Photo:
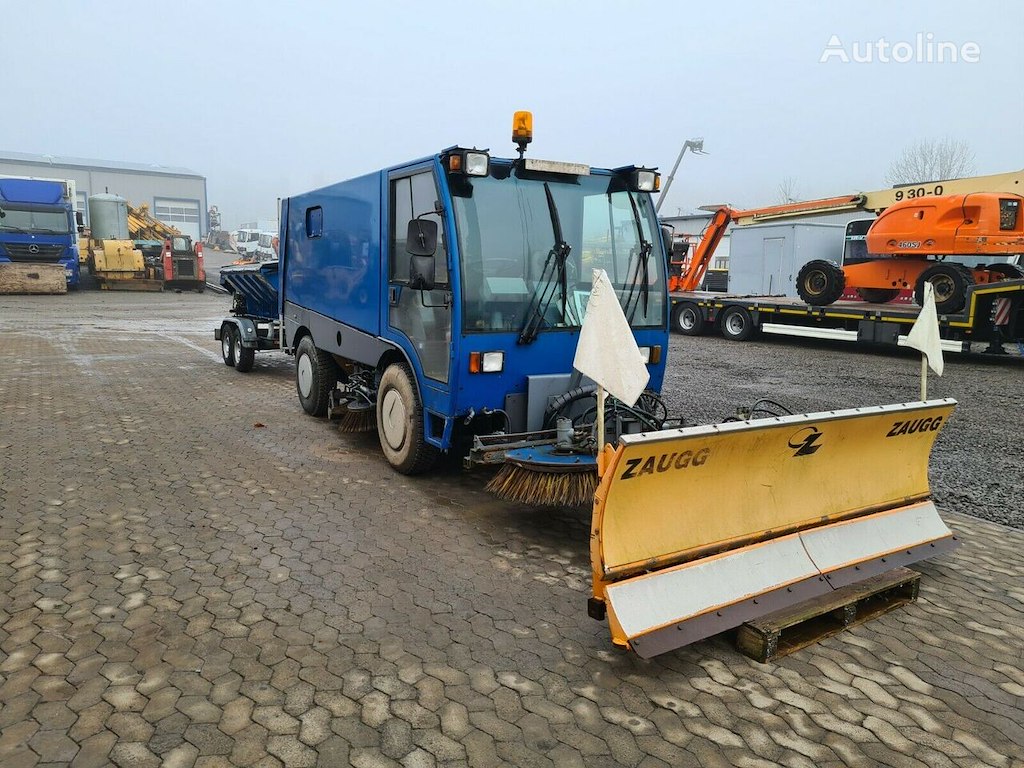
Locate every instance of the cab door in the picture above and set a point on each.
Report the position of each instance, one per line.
(423, 317)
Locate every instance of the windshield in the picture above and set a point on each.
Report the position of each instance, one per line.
(506, 237)
(44, 219)
(181, 245)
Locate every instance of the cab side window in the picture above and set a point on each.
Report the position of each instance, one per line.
(411, 197)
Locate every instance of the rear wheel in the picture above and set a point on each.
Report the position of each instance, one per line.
(878, 295)
(227, 346)
(820, 282)
(400, 422)
(687, 319)
(950, 282)
(1005, 271)
(737, 324)
(316, 374)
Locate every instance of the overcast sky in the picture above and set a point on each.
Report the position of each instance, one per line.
(270, 99)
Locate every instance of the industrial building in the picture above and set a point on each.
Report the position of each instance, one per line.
(176, 196)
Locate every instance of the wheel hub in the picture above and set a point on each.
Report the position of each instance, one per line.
(816, 282)
(393, 419)
(304, 373)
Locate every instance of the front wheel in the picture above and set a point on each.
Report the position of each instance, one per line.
(950, 282)
(400, 422)
(687, 319)
(316, 374)
(737, 324)
(820, 282)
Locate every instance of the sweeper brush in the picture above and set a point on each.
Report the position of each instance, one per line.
(357, 417)
(529, 480)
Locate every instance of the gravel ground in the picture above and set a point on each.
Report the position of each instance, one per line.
(976, 465)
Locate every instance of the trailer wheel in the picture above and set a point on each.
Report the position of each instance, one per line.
(820, 282)
(878, 295)
(316, 373)
(244, 357)
(1005, 271)
(400, 422)
(687, 319)
(227, 346)
(736, 324)
(950, 282)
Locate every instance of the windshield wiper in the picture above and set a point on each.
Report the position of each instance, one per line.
(50, 231)
(12, 228)
(640, 277)
(554, 269)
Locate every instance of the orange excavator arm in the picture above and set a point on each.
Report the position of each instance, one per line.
(697, 265)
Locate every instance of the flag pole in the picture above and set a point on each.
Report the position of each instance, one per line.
(924, 377)
(600, 419)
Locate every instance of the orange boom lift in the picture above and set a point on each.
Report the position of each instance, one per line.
(908, 242)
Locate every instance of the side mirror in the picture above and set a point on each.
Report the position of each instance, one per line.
(422, 272)
(421, 237)
(666, 238)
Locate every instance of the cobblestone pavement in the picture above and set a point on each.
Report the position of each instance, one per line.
(194, 572)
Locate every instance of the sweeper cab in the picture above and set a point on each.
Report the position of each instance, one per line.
(440, 302)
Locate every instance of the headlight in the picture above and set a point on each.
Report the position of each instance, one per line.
(493, 362)
(486, 362)
(651, 355)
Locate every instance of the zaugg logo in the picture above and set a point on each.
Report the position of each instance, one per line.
(805, 441)
(664, 462)
(931, 424)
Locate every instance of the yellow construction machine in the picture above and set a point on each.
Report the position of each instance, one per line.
(114, 250)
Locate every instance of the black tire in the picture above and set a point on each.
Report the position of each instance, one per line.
(227, 346)
(736, 324)
(878, 295)
(950, 281)
(1006, 271)
(820, 282)
(687, 319)
(245, 358)
(400, 422)
(316, 374)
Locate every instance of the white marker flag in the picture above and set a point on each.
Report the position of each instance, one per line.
(607, 351)
(924, 336)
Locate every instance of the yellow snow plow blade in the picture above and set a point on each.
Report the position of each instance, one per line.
(697, 530)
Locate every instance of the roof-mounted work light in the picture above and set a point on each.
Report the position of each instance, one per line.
(468, 162)
(640, 179)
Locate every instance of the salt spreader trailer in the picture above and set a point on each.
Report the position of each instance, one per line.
(440, 303)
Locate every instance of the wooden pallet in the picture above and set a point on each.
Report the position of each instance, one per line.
(17, 277)
(778, 634)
